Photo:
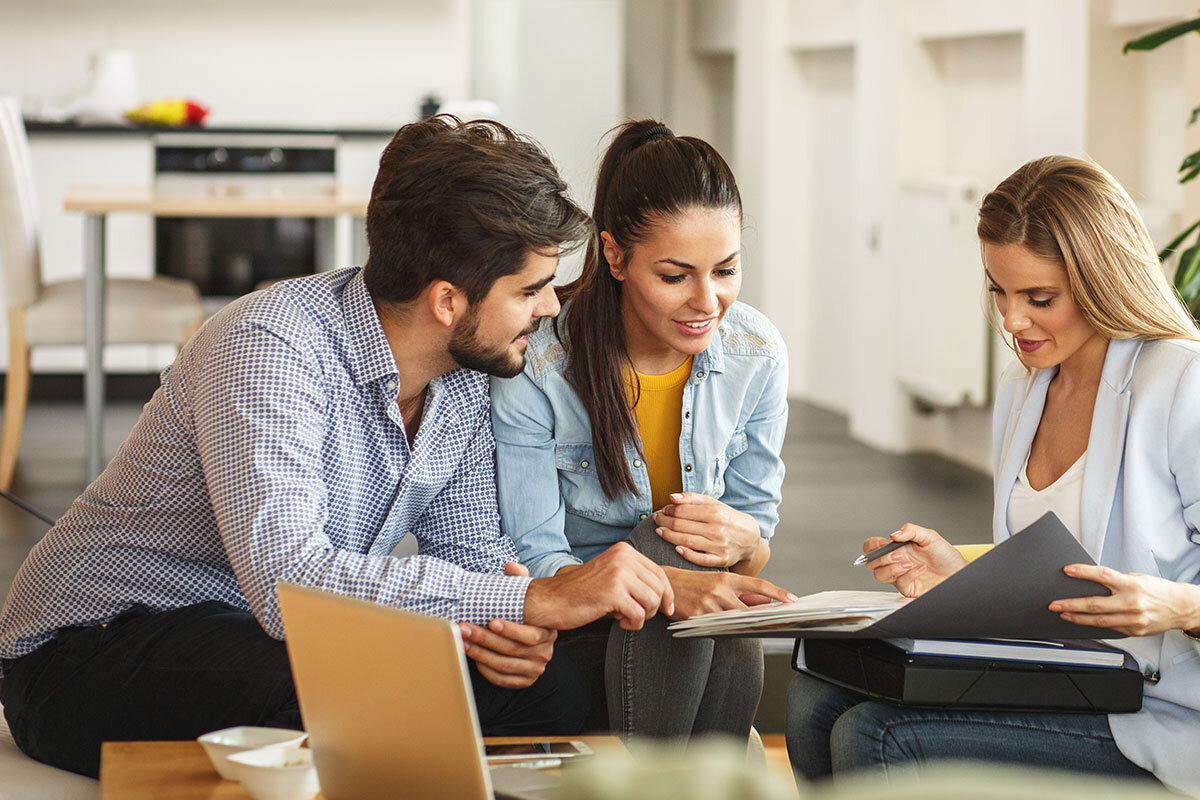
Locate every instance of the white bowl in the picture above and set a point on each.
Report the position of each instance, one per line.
(228, 741)
(277, 773)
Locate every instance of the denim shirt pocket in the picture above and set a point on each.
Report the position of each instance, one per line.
(738, 444)
(579, 482)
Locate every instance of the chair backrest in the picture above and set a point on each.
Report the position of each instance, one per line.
(20, 261)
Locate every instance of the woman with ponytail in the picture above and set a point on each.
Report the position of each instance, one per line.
(652, 411)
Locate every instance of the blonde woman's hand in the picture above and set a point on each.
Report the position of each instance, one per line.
(1140, 605)
(707, 532)
(914, 569)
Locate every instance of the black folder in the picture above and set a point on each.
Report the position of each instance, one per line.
(883, 671)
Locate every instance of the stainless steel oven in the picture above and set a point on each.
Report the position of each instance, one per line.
(227, 257)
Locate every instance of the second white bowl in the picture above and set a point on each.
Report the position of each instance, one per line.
(277, 773)
(223, 743)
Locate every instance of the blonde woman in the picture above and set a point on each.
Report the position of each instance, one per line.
(1100, 423)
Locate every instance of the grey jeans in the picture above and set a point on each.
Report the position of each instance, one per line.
(648, 683)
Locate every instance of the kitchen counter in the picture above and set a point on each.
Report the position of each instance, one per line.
(35, 127)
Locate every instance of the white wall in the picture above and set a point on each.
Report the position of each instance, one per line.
(556, 70)
(838, 104)
(304, 62)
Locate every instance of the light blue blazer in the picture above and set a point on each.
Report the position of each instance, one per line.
(1140, 513)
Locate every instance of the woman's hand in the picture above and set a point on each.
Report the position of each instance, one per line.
(707, 532)
(1140, 605)
(923, 563)
(704, 592)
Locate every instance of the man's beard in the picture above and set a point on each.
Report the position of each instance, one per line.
(469, 352)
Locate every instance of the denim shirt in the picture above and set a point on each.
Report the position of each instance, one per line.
(734, 419)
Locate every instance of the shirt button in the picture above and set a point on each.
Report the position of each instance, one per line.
(688, 468)
(391, 386)
(687, 415)
(637, 463)
(641, 516)
(583, 464)
(700, 376)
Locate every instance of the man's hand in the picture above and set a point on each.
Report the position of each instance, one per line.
(620, 581)
(508, 654)
(704, 592)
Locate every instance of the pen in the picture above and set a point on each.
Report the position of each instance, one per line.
(877, 552)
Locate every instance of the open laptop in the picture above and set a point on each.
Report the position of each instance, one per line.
(387, 701)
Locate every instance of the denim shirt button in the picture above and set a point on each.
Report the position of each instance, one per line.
(583, 464)
(688, 468)
(700, 375)
(687, 415)
(641, 516)
(637, 462)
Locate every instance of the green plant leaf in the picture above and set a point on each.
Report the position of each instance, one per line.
(1192, 174)
(1161, 36)
(1170, 249)
(1191, 161)
(1187, 276)
(1195, 116)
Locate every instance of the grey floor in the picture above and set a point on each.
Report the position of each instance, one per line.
(837, 493)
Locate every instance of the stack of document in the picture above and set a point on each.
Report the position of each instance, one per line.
(841, 611)
(1082, 653)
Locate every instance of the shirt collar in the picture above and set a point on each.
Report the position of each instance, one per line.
(712, 358)
(369, 355)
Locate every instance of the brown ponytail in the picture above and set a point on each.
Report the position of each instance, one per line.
(648, 174)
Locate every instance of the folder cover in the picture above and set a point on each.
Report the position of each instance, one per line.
(1003, 594)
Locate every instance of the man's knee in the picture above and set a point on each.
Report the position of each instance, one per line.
(572, 693)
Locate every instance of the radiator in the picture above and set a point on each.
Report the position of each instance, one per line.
(944, 340)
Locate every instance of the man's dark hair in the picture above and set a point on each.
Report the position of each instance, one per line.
(463, 202)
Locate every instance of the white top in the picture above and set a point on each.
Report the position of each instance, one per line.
(1063, 497)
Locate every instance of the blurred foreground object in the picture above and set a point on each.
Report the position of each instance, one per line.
(717, 769)
(963, 780)
(172, 111)
(713, 768)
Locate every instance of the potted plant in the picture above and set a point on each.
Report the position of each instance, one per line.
(1187, 273)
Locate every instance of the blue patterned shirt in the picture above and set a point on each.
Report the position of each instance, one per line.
(274, 450)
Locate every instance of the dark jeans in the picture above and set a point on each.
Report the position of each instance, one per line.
(648, 683)
(178, 674)
(831, 730)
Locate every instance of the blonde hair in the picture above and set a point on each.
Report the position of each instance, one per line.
(1074, 212)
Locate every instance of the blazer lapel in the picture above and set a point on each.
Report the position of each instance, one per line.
(1016, 448)
(1106, 443)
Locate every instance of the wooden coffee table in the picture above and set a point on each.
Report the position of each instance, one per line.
(182, 771)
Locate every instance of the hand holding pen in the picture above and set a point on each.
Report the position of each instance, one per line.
(926, 561)
(878, 551)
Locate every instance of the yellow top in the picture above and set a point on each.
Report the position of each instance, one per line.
(659, 413)
(972, 551)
